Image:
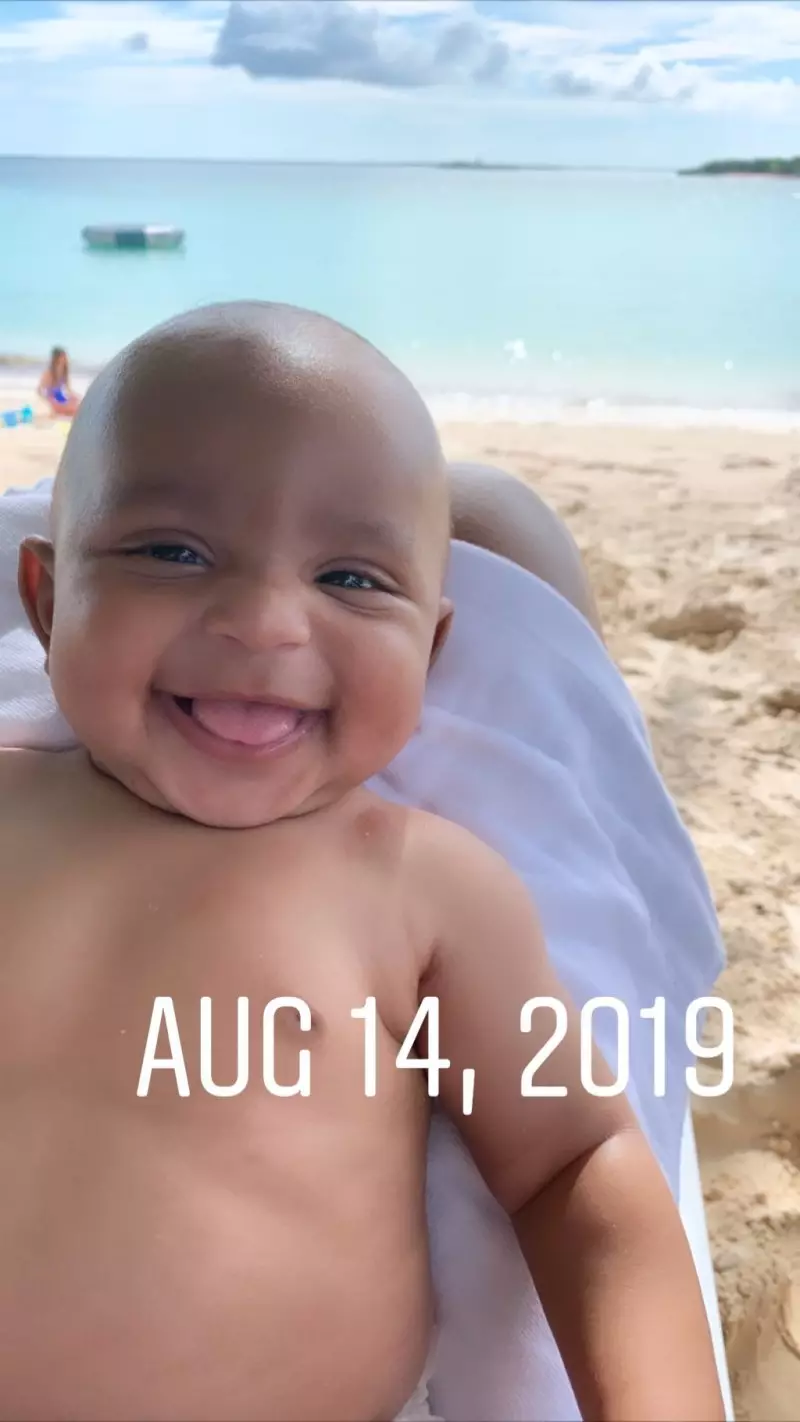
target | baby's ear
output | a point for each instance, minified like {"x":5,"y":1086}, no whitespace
{"x":443,"y":626}
{"x":36,"y":586}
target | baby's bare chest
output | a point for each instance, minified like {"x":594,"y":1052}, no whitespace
{"x":186,"y":1140}
{"x":240,"y":960}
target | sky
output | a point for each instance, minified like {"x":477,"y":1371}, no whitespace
{"x":655,"y":83}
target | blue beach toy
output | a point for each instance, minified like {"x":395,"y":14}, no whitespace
{"x":10,"y":418}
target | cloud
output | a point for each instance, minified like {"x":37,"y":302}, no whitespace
{"x":365,"y":44}
{"x":635,"y":80}
{"x":138,"y":43}
{"x":767,"y":32}
{"x":413,"y":9}
{"x":740,"y":34}
{"x":708,"y":56}
{"x":762,"y":98}
{"x":684,"y":54}
{"x":646,"y":79}
{"x":95,"y":27}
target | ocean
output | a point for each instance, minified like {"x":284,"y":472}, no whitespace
{"x":499,"y":292}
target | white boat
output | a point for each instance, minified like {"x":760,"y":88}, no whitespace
{"x":132,"y":237}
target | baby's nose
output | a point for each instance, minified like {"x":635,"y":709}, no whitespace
{"x":260,"y":617}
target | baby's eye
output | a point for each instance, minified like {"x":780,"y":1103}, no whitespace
{"x":352,"y":582}
{"x":170,"y":553}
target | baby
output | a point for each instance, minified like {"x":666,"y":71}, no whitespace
{"x":239,"y":607}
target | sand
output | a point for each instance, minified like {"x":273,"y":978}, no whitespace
{"x":692,"y":540}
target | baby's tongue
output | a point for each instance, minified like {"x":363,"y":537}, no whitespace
{"x":252,"y":723}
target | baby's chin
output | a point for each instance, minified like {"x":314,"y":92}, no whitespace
{"x":215,"y":806}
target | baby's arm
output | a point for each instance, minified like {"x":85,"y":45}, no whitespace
{"x":594,"y":1217}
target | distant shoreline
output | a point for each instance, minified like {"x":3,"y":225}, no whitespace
{"x":448,"y":164}
{"x":745,"y":168}
{"x":733,"y":167}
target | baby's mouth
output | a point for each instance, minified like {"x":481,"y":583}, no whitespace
{"x":257,"y":724}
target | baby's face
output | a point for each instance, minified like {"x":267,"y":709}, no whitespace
{"x":246,"y":603}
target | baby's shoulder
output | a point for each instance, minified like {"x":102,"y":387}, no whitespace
{"x":452,"y":870}
{"x":422,"y":839}
{"x":39,"y":797}
{"x":470,"y":902}
{"x":25,"y":777}
{"x":51,"y":788}
{"x":447,"y":845}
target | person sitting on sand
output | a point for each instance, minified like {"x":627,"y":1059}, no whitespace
{"x":54,"y":386}
{"x":239,"y":606}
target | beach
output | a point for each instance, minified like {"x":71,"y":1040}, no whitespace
{"x":690,"y":536}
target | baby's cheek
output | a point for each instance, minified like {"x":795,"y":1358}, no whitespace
{"x":126,"y":633}
{"x":80,"y":677}
{"x":388,"y":694}
{"x":73,"y":686}
{"x":98,"y":661}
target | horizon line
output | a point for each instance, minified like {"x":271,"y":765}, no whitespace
{"x":468,"y":163}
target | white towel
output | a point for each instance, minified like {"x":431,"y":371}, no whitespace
{"x":530,"y":738}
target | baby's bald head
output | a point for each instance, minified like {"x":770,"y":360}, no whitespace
{"x":204,"y":374}
{"x":251,"y":512}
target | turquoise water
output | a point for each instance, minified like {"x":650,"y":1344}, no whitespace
{"x":566,"y":287}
